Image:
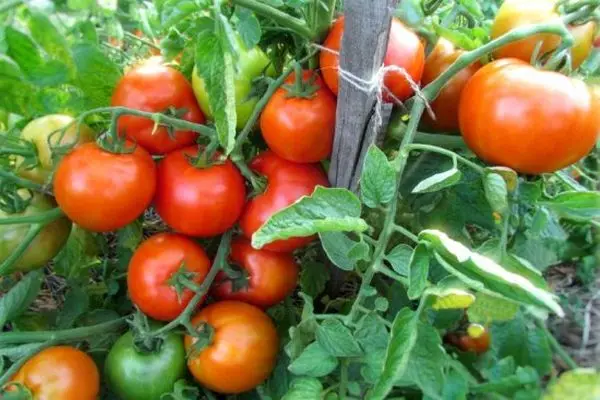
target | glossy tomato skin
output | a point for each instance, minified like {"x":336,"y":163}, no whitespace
{"x":300,"y":129}
{"x":464,"y":342}
{"x":445,"y":106}
{"x":44,"y":130}
{"x":271,"y":276}
{"x":405,"y":50}
{"x":287,"y":182}
{"x":584,"y":42}
{"x":47,"y":243}
{"x":136,"y":375}
{"x":516,"y":13}
{"x":243,"y":351}
{"x":532,"y":121}
{"x":154,"y":87}
{"x":60,"y":373}
{"x":196,"y":201}
{"x":102,"y":191}
{"x":154,"y":263}
{"x":250,"y":64}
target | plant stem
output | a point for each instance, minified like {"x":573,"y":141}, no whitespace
{"x":556,"y":346}
{"x":142,"y":40}
{"x":343,"y":379}
{"x":406,"y":232}
{"x":43,"y":218}
{"x":391,"y":274}
{"x":217,"y":266}
{"x":295,"y":24}
{"x":448,"y":153}
{"x":255,"y":180}
{"x":25,"y":183}
{"x":17,"y":253}
{"x":67,"y":335}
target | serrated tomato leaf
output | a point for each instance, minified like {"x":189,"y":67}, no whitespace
{"x":377,"y":179}
{"x":20,"y":296}
{"x":576,"y":206}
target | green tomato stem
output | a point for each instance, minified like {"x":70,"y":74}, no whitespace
{"x":61,"y":336}
{"x":33,"y":231}
{"x":25,"y":183}
{"x":391,"y":274}
{"x":141,"y":40}
{"x":433,"y":149}
{"x":556,"y":346}
{"x":43,"y":218}
{"x":402,"y":230}
{"x":295,"y":24}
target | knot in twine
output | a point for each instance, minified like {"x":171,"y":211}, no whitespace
{"x":376,"y":85}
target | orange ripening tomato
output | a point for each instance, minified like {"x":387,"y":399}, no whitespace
{"x":286,"y":182}
{"x":267,"y":279}
{"x":157,"y":88}
{"x":533,"y":121}
{"x":465,"y":342}
{"x":154,"y":262}
{"x":243,"y":350}
{"x":198,"y":201}
{"x":405,"y":50}
{"x":60,"y":373}
{"x":445,"y":106}
{"x":584,"y":42}
{"x":103,"y":191}
{"x":297,"y":128}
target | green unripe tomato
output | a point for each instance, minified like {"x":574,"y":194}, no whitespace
{"x":250,"y":64}
{"x":47,"y":243}
{"x":136,"y":375}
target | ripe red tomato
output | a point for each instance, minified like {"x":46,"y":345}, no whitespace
{"x":300,"y":129}
{"x":154,"y":87}
{"x":197,"y":201}
{"x":532,"y":121}
{"x":464,"y":342}
{"x":154,"y":263}
{"x":243,"y":350}
{"x":268,"y":278}
{"x":287,"y":182}
{"x":102,"y":191}
{"x":405,"y":50}
{"x":60,"y":373}
{"x":445,"y":106}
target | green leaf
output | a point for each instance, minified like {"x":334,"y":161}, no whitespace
{"x":23,"y":50}
{"x":482,"y":273}
{"x":488,"y":308}
{"x":581,"y":384}
{"x":80,"y":4}
{"x":336,"y":339}
{"x":361,"y":251}
{"x":176,"y":11}
{"x":52,"y":73}
{"x":214,"y":63}
{"x":439,"y":181}
{"x":456,"y":386}
{"x":472,"y":6}
{"x":304,"y":389}
{"x":399,"y":258}
{"x":97,"y":75}
{"x":510,"y":176}
{"x":377,"y":179}
{"x":248,"y":27}
{"x":414,"y":355}
{"x":76,"y":304}
{"x":313,"y":278}
{"x":20,"y":297}
{"x":337,"y":246}
{"x":326,"y":210}
{"x":496,"y":192}
{"x":78,"y":256}
{"x":371,"y":333}
{"x":50,"y":39}
{"x":575,"y":206}
{"x":510,"y":385}
{"x":418,"y":271}
{"x":314,"y":362}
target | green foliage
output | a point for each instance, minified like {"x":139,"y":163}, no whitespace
{"x":20,"y":297}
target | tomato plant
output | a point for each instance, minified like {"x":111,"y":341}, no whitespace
{"x":60,"y":373}
{"x":150,"y":277}
{"x":135,"y":373}
{"x":404,"y":50}
{"x":286,"y":183}
{"x":155,"y":87}
{"x":195,"y":200}
{"x":243,"y":339}
{"x":515,"y":115}
{"x":265,"y":277}
{"x":103,"y":191}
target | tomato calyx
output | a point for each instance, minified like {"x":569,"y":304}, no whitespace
{"x":115,"y":144}
{"x":15,"y":146}
{"x":15,"y":391}
{"x":202,"y":335}
{"x":238,"y":276}
{"x":206,"y":157}
{"x":171,"y":112}
{"x":183,"y":279}
{"x":303,"y":88}
{"x":14,"y":200}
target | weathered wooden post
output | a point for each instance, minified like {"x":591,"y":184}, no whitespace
{"x":366,"y":32}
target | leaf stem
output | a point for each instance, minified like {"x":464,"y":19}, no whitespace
{"x":43,"y":218}
{"x":295,"y":24}
{"x":391,"y":274}
{"x":25,"y":183}
{"x":406,"y":232}
{"x":439,"y":150}
{"x":343,"y":379}
{"x":556,"y":346}
{"x":142,"y":40}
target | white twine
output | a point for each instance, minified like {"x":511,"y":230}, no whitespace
{"x":376,"y":85}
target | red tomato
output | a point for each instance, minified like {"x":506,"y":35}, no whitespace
{"x":243,"y":350}
{"x":405,"y":50}
{"x":197,"y":201}
{"x":287,"y":182}
{"x":102,"y":191}
{"x":154,"y":87}
{"x":532,"y":121}
{"x":445,"y":106}
{"x":60,"y":373}
{"x":151,"y":267}
{"x":268,"y":278}
{"x":300,"y":129}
